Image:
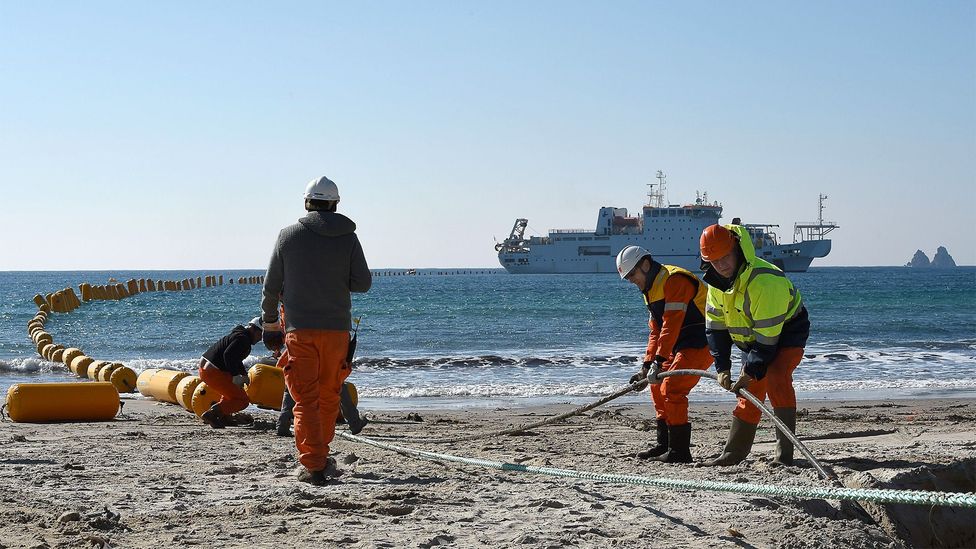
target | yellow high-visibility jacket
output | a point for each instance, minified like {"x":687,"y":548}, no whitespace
{"x":758,"y":309}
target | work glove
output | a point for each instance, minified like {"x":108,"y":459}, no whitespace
{"x":656,"y":368}
{"x":742,"y":383}
{"x":639,"y":376}
{"x":273,"y":337}
{"x":725,"y":379}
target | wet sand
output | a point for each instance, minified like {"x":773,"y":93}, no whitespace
{"x":160,"y":478}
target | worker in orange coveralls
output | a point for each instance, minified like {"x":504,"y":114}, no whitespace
{"x":221,"y":363}
{"x":676,"y":300}
{"x":315,"y":265}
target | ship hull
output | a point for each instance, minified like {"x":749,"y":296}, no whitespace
{"x":555,"y":259}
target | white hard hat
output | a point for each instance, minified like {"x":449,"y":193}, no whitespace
{"x":256,"y":322}
{"x":628,"y":258}
{"x":322,"y":189}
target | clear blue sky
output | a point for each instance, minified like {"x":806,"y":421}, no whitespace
{"x":181,"y":134}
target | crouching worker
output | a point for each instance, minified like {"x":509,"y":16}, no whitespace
{"x":676,"y":301}
{"x":220,"y":364}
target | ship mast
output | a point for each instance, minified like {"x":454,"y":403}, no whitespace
{"x":655,"y":198}
{"x":814,"y":231}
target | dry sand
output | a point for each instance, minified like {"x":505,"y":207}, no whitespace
{"x":160,"y":478}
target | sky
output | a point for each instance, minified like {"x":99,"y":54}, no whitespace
{"x":181,"y":135}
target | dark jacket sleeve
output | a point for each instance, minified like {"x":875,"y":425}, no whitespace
{"x":234,"y":355}
{"x":273,"y":282}
{"x":720,"y":346}
{"x":360,"y":279}
{"x":758,"y":358}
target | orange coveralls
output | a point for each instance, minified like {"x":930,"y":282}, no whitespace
{"x":671,"y":395}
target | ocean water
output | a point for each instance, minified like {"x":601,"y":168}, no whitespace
{"x":487,"y":338}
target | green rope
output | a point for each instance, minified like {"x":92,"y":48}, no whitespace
{"x":906,"y":497}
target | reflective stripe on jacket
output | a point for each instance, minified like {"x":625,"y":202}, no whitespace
{"x":676,"y":301}
{"x":761,"y":312}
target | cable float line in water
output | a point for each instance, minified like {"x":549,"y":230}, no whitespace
{"x":906,"y":497}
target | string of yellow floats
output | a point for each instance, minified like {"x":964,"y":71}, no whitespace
{"x":100,"y":400}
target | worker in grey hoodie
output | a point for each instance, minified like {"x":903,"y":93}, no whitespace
{"x":315,"y":265}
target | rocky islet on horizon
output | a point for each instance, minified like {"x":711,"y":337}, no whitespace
{"x":942,"y":259}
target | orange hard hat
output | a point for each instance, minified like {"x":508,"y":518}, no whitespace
{"x":716,"y":242}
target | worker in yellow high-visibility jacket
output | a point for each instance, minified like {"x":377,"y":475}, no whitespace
{"x":752,"y":304}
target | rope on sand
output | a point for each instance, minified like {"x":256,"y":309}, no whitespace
{"x":637,"y":386}
{"x":906,"y":497}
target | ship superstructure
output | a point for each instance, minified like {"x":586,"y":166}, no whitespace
{"x":670,"y":232}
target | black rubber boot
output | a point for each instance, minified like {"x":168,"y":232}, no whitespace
{"x":662,"y":442}
{"x":741,"y":437}
{"x":679,"y":445}
{"x":784,"y":446}
{"x":213,"y":417}
{"x":349,"y":411}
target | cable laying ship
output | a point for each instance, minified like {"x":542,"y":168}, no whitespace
{"x":669,"y":231}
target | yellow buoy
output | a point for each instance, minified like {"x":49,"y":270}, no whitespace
{"x":105,"y":372}
{"x":69,"y":354}
{"x":79,"y":365}
{"x":124,"y":379}
{"x":203,"y":398}
{"x":44,"y":402}
{"x":43,"y":337}
{"x":57,"y":354}
{"x":39,"y":300}
{"x":142,"y":382}
{"x":162,"y":385}
{"x":45,"y":350}
{"x":51,"y":350}
{"x":95,"y":367}
{"x":184,"y":391}
{"x":41,"y":344}
{"x":266,"y":386}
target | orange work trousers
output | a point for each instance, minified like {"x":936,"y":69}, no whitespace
{"x":314,"y":373}
{"x":778,"y":384}
{"x":232,"y":398}
{"x":671,"y":395}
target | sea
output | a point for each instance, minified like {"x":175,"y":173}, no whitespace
{"x":461,"y":338}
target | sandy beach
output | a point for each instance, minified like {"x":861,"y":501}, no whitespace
{"x":160,"y":478}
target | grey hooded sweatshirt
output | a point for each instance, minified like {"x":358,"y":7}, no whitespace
{"x":315,"y":264}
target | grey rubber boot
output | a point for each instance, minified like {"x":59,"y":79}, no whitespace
{"x":286,"y":416}
{"x":784,"y":446}
{"x":679,"y":445}
{"x":741,"y":437}
{"x":349,"y":411}
{"x":662,"y":442}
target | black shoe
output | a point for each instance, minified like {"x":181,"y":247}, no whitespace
{"x":283,"y":431}
{"x":322,"y":476}
{"x":213,"y":417}
{"x":355,"y":429}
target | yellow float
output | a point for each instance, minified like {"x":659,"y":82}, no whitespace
{"x":162,"y":385}
{"x":69,"y":354}
{"x":95,"y":367}
{"x":266,"y":386}
{"x":79,"y":365}
{"x":123,"y":378}
{"x":47,"y":402}
{"x":184,"y":391}
{"x":203,"y":398}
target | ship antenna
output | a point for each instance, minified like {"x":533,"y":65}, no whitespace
{"x":820,"y":218}
{"x":655,"y":198}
